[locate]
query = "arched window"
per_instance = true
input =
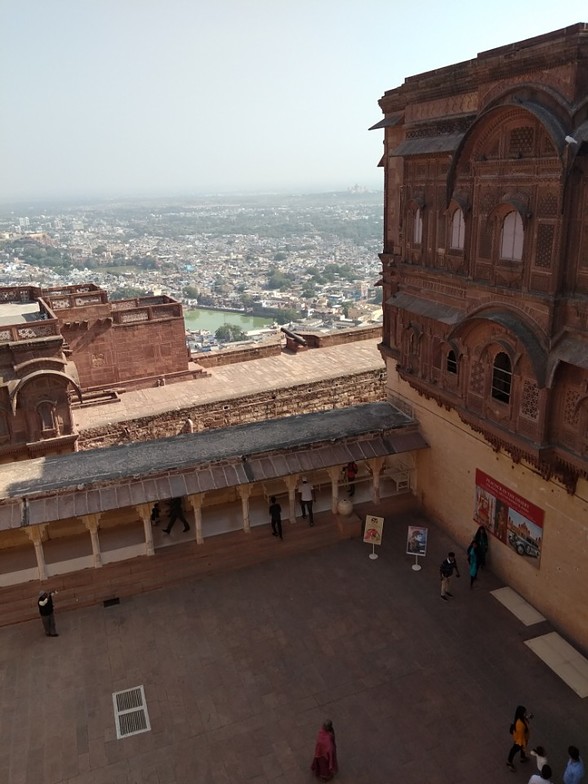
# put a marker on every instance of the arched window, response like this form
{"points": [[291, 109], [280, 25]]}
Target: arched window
{"points": [[46, 411], [418, 227], [511, 239], [501, 377], [451, 363], [457, 230]]}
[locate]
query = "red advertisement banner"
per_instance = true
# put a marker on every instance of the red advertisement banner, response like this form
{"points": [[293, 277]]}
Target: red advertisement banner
{"points": [[509, 517]]}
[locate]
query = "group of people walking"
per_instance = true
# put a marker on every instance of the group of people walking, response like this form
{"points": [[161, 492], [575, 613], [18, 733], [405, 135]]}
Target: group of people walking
{"points": [[476, 554], [520, 732]]}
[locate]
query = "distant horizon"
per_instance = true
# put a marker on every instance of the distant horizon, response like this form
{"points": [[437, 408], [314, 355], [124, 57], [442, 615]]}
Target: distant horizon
{"points": [[82, 200], [143, 99]]}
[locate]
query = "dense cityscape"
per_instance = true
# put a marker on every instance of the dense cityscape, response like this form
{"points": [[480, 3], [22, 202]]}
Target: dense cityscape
{"points": [[288, 258]]}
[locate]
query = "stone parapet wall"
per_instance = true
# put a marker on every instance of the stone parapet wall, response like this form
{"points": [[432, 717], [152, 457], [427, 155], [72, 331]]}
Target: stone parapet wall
{"points": [[324, 395], [233, 356], [337, 337]]}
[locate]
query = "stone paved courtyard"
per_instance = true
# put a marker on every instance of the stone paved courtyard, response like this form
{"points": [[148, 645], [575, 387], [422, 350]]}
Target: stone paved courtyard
{"points": [[239, 671]]}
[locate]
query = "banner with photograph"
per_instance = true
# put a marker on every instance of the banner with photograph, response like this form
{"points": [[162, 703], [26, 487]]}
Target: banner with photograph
{"points": [[509, 517], [416, 540], [373, 529]]}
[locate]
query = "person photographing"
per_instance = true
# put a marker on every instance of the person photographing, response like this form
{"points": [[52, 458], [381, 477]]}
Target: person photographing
{"points": [[45, 605]]}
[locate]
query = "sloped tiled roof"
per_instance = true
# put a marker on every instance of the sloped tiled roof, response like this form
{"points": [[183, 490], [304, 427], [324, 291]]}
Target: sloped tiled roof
{"points": [[37, 491]]}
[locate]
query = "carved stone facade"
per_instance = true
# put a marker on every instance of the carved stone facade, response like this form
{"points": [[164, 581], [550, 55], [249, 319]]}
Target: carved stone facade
{"points": [[485, 278], [128, 343], [485, 262], [59, 342]]}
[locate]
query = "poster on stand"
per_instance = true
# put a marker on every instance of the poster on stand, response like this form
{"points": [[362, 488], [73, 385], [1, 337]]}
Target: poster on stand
{"points": [[373, 529], [509, 517], [416, 540]]}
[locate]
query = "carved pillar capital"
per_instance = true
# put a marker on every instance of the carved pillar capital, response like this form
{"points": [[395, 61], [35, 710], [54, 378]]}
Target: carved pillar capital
{"points": [[36, 534], [292, 481], [91, 522]]}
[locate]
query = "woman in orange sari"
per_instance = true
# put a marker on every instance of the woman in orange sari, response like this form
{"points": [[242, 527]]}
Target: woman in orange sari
{"points": [[324, 764]]}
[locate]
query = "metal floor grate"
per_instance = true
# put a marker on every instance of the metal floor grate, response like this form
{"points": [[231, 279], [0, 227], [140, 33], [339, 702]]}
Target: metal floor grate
{"points": [[130, 712]]}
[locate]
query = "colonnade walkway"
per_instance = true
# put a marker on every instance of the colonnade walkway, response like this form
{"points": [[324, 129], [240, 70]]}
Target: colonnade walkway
{"points": [[239, 667]]}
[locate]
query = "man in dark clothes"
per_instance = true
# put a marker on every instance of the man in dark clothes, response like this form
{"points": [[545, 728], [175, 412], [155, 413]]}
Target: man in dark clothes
{"points": [[448, 566], [175, 513], [275, 511], [45, 605]]}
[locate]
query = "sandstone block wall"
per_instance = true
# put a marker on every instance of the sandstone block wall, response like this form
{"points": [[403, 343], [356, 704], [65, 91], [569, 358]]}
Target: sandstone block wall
{"points": [[365, 387], [446, 489]]}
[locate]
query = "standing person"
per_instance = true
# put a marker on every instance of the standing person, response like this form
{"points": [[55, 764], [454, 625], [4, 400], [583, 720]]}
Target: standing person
{"points": [[175, 513], [520, 735], [448, 566], [324, 764], [45, 605], [155, 514], [350, 474], [542, 777], [540, 756], [481, 539], [275, 511], [306, 491], [574, 772], [473, 562]]}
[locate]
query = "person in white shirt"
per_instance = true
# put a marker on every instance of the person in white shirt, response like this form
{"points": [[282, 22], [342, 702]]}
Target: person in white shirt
{"points": [[306, 492], [541, 778], [540, 757]]}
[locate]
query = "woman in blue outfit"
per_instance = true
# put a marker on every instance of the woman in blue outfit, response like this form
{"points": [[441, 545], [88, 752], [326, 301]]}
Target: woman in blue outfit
{"points": [[473, 561]]}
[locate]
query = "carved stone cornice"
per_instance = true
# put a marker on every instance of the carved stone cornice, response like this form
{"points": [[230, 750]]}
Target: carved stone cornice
{"points": [[550, 461]]}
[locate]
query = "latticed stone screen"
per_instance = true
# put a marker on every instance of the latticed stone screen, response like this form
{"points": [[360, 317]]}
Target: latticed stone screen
{"points": [[477, 377], [571, 412], [530, 402], [547, 204], [521, 141], [544, 249]]}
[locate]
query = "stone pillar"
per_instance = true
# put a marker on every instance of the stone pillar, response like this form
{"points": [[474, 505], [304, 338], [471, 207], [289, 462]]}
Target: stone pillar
{"points": [[291, 483], [195, 502], [375, 465], [35, 534], [144, 511], [334, 473], [92, 523], [245, 492]]}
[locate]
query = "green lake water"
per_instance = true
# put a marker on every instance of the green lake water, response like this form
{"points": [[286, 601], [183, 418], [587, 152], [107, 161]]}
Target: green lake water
{"points": [[211, 320]]}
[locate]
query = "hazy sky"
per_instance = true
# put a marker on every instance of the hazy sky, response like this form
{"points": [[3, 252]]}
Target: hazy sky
{"points": [[162, 97]]}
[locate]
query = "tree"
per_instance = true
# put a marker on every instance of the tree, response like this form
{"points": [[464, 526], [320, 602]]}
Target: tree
{"points": [[127, 292], [191, 292], [229, 333], [279, 280]]}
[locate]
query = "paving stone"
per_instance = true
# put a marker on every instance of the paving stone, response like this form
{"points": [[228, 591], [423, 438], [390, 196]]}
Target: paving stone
{"points": [[240, 669]]}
